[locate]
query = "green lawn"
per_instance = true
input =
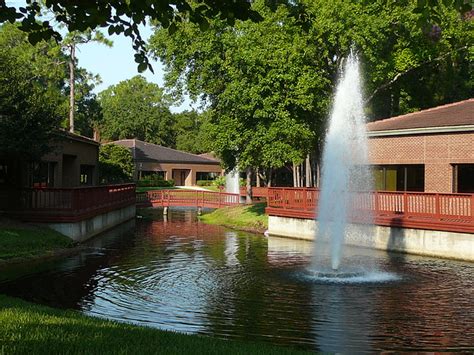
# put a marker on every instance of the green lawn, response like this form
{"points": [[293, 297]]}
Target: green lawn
{"points": [[27, 328], [148, 188], [245, 217], [16, 242]]}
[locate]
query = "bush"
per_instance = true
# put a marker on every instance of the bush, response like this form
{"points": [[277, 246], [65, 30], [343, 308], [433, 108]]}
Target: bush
{"points": [[205, 182], [115, 164], [156, 180], [219, 181]]}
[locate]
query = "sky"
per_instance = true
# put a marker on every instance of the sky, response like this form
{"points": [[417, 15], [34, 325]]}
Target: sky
{"points": [[117, 63]]}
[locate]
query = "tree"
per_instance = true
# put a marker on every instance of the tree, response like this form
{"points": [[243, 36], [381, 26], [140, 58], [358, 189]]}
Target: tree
{"points": [[71, 41], [115, 164], [190, 132], [258, 82], [31, 100], [121, 16], [135, 108]]}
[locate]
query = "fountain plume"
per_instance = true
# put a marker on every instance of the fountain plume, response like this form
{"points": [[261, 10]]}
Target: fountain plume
{"points": [[345, 168]]}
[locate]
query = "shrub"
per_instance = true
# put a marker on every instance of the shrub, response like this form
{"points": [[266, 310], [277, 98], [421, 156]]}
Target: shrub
{"points": [[115, 164], [219, 181], [205, 182], [156, 180]]}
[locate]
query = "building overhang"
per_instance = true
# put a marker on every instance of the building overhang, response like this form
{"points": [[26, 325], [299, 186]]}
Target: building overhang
{"points": [[422, 130]]}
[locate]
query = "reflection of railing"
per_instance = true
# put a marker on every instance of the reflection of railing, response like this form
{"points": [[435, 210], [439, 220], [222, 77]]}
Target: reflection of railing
{"points": [[424, 210], [70, 204], [186, 198]]}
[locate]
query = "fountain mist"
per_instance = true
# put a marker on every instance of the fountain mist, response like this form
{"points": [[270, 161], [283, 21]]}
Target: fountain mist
{"points": [[232, 182], [345, 167]]}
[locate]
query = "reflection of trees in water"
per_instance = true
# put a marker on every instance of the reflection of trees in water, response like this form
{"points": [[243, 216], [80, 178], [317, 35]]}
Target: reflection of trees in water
{"points": [[254, 302], [431, 308]]}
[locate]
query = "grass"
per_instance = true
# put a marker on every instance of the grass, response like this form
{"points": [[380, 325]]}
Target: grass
{"points": [[17, 242], [245, 217], [29, 328], [148, 188]]}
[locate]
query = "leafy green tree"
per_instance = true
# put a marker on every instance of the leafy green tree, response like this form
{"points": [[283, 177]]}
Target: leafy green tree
{"points": [[135, 108], [71, 41], [190, 132], [31, 100], [115, 164], [257, 81], [120, 16]]}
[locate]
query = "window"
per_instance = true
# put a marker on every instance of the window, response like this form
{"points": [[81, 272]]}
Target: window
{"points": [[206, 176], [463, 178], [87, 174], [399, 177], [150, 174], [42, 174]]}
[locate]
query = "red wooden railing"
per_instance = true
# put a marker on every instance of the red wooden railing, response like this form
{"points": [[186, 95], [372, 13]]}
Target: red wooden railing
{"points": [[186, 198], [70, 204], [424, 210], [257, 192]]}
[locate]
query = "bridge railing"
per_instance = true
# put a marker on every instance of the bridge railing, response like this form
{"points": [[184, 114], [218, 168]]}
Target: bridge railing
{"points": [[439, 211], [187, 198], [69, 204]]}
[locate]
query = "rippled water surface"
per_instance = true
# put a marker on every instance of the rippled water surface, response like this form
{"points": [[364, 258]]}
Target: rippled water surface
{"points": [[190, 277]]}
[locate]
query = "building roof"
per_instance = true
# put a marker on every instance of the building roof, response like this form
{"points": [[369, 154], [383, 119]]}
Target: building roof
{"points": [[456, 115], [149, 152], [76, 137]]}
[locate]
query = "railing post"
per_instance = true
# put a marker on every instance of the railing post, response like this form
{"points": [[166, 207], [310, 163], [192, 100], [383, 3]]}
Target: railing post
{"points": [[437, 207], [405, 204], [376, 203], [305, 199]]}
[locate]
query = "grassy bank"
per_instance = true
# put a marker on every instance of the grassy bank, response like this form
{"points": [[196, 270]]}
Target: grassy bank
{"points": [[245, 217], [148, 188], [29, 328], [30, 241]]}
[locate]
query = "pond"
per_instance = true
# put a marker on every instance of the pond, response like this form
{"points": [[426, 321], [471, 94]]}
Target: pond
{"points": [[180, 274]]}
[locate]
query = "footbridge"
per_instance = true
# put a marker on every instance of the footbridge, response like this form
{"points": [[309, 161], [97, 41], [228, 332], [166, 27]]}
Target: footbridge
{"points": [[186, 198]]}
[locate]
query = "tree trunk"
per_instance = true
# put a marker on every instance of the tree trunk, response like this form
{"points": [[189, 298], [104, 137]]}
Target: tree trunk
{"points": [[258, 178], [294, 175], [71, 87], [269, 177], [248, 186], [298, 175], [308, 171]]}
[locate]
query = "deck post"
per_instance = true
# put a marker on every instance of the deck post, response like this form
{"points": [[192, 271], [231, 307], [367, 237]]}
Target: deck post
{"points": [[165, 211]]}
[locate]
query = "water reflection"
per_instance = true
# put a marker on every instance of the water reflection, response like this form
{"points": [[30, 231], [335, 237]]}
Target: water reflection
{"points": [[183, 275]]}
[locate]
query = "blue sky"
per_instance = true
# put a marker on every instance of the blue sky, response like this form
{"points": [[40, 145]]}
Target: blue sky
{"points": [[116, 63]]}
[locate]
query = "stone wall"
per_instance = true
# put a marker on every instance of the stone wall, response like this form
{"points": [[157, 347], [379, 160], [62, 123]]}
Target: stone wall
{"points": [[405, 240]]}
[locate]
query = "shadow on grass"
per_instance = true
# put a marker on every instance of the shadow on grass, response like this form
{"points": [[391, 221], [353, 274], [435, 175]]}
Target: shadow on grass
{"points": [[258, 208], [30, 328]]}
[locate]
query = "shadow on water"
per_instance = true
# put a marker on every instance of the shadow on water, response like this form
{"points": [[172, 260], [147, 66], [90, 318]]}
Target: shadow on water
{"points": [[396, 243]]}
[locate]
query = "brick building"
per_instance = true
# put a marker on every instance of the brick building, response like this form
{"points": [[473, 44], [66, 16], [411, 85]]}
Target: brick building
{"points": [[430, 150], [184, 168]]}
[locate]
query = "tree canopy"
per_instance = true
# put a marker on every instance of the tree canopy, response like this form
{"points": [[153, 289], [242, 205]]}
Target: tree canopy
{"points": [[135, 108], [121, 17], [115, 164], [268, 85]]}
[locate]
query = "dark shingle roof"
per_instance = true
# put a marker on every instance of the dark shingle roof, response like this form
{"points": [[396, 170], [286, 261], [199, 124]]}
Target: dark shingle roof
{"points": [[456, 114], [149, 152]]}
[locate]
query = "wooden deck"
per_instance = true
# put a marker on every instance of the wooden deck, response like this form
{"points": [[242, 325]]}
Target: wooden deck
{"points": [[419, 210]]}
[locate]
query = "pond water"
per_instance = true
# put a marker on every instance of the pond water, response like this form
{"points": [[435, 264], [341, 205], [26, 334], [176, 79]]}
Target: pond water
{"points": [[187, 276]]}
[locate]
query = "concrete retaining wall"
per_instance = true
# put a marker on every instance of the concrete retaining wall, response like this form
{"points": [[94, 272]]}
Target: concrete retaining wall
{"points": [[412, 241], [80, 231]]}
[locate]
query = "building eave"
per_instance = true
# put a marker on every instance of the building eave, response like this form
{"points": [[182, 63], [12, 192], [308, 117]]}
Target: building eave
{"points": [[421, 130]]}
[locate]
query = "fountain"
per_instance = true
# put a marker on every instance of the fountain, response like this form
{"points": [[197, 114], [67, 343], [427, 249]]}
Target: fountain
{"points": [[345, 169], [232, 182]]}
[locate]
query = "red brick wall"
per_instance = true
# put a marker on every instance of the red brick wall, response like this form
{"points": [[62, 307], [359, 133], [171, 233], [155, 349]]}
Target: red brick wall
{"points": [[436, 151]]}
